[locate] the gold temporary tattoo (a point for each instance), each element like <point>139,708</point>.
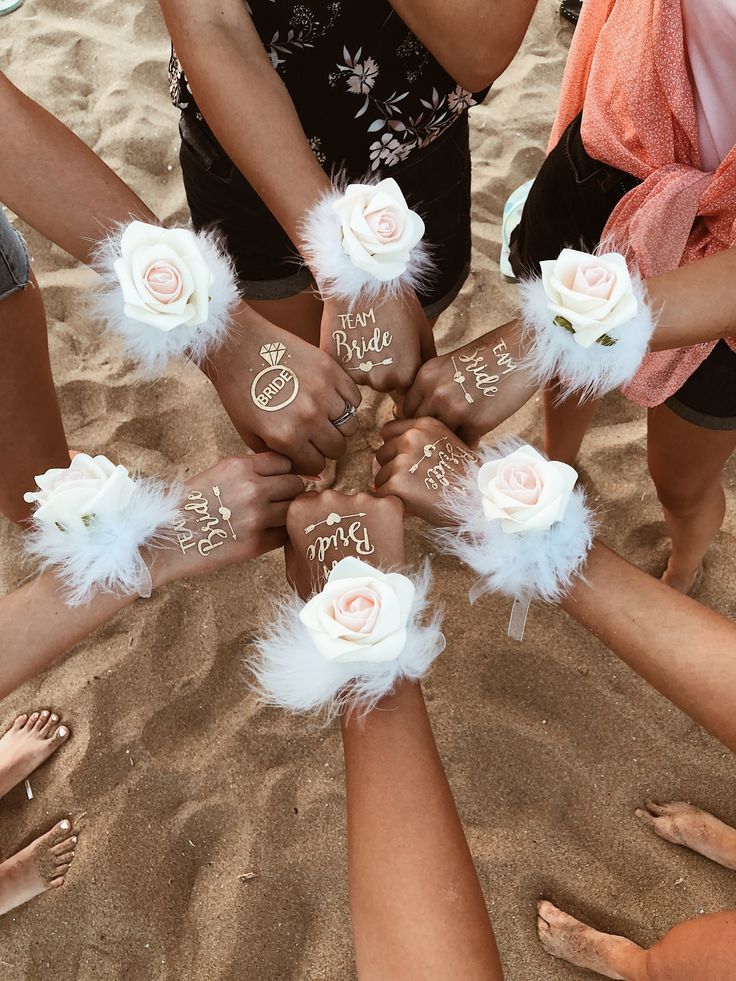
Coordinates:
<point>276,386</point>
<point>208,533</point>
<point>476,365</point>
<point>354,538</point>
<point>449,468</point>
<point>225,512</point>
<point>333,519</point>
<point>459,378</point>
<point>349,349</point>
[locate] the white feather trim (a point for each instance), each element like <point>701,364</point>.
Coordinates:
<point>336,275</point>
<point>149,347</point>
<point>291,673</point>
<point>592,371</point>
<point>106,556</point>
<point>531,565</point>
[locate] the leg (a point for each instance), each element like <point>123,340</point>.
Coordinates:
<point>28,396</point>
<point>41,866</point>
<point>613,957</point>
<point>686,462</point>
<point>683,824</point>
<point>27,744</point>
<point>416,903</point>
<point>565,424</point>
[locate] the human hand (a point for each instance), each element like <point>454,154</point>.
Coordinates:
<point>324,528</point>
<point>421,461</point>
<point>379,344</point>
<point>474,389</point>
<point>281,393</point>
<point>235,511</point>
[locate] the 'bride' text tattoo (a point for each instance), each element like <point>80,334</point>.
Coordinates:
<point>197,527</point>
<point>350,349</point>
<point>476,365</point>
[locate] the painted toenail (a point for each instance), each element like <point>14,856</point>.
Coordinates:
<point>74,840</point>
<point>54,718</point>
<point>65,825</point>
<point>62,732</point>
<point>35,715</point>
<point>44,714</point>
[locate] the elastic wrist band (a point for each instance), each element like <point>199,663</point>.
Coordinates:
<point>350,644</point>
<point>587,322</point>
<point>166,292</point>
<point>520,524</point>
<point>363,241</point>
<point>91,522</point>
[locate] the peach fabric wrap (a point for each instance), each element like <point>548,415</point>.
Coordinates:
<point>628,71</point>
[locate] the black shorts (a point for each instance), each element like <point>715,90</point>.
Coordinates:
<point>568,206</point>
<point>435,182</point>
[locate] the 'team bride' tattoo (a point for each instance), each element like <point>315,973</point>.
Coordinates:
<point>475,364</point>
<point>351,540</point>
<point>449,468</point>
<point>207,532</point>
<point>276,386</point>
<point>349,349</point>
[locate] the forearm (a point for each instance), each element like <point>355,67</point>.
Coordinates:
<point>474,40</point>
<point>417,906</point>
<point>37,627</point>
<point>695,303</point>
<point>684,650</point>
<point>247,106</point>
<point>54,181</point>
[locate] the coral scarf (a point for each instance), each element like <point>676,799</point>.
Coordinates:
<point>628,71</point>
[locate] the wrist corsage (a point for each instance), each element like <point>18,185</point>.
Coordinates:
<point>587,322</point>
<point>91,522</point>
<point>520,524</point>
<point>350,644</point>
<point>365,242</point>
<point>166,292</point>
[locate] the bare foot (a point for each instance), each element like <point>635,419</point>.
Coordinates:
<point>41,866</point>
<point>685,581</point>
<point>27,744</point>
<point>683,824</point>
<point>563,936</point>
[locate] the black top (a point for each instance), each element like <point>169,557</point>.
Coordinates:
<point>367,91</point>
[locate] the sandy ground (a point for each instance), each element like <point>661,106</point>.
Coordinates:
<point>186,782</point>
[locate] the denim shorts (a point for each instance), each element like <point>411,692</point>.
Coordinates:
<point>435,182</point>
<point>14,264</point>
<point>569,205</point>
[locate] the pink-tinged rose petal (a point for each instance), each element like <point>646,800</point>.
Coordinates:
<point>163,281</point>
<point>358,609</point>
<point>385,226</point>
<point>519,481</point>
<point>594,279</point>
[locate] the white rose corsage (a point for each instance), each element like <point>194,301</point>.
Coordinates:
<point>166,292</point>
<point>91,521</point>
<point>520,524</point>
<point>587,322</point>
<point>350,644</point>
<point>365,241</point>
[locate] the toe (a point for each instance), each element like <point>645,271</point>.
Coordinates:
<point>32,720</point>
<point>645,817</point>
<point>65,859</point>
<point>66,845</point>
<point>62,830</point>
<point>46,724</point>
<point>654,808</point>
<point>55,883</point>
<point>43,718</point>
<point>61,870</point>
<point>546,909</point>
<point>61,734</point>
<point>20,721</point>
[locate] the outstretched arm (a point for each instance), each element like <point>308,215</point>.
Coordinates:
<point>83,200</point>
<point>684,650</point>
<point>36,625</point>
<point>416,903</point>
<point>417,907</point>
<point>474,40</point>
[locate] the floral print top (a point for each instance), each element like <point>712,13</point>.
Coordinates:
<point>367,91</point>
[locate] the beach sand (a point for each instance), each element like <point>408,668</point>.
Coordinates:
<point>187,783</point>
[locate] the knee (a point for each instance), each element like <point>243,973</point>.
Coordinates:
<point>684,494</point>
